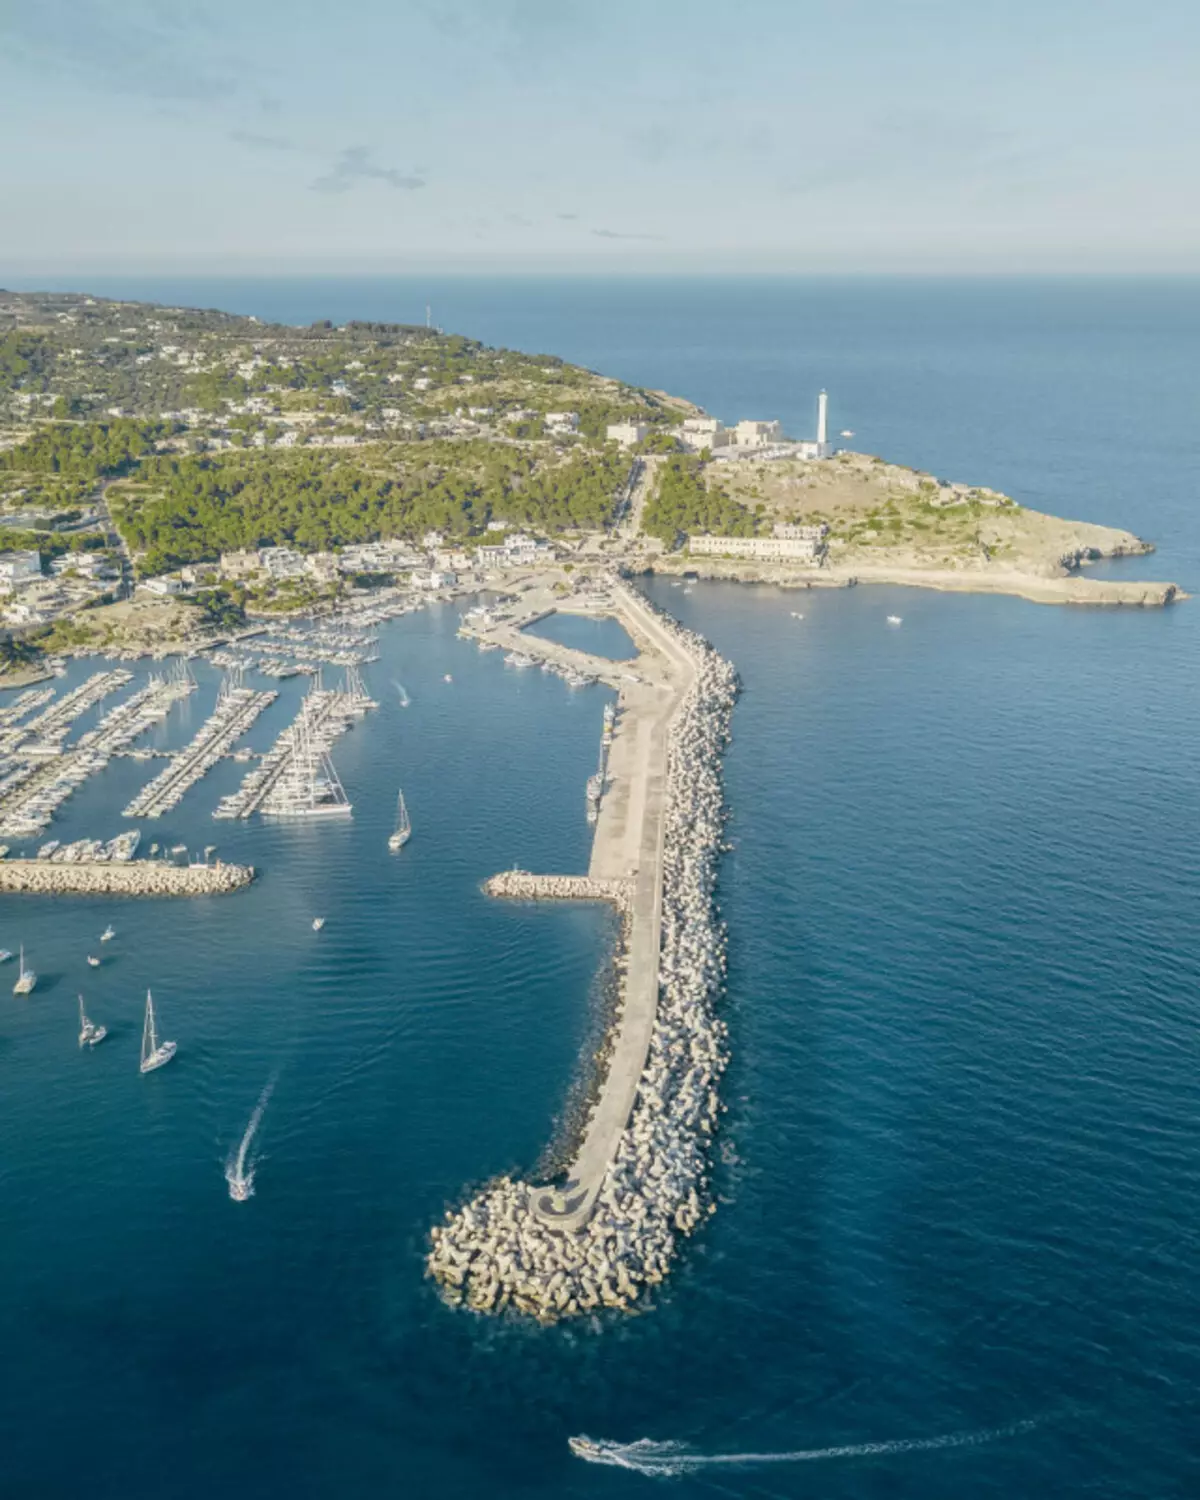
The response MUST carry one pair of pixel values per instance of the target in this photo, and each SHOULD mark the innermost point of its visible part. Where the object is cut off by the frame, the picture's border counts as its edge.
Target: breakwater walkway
(637, 1180)
(143, 877)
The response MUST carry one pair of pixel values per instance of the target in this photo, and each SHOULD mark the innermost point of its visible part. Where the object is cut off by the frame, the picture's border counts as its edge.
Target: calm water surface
(958, 1178)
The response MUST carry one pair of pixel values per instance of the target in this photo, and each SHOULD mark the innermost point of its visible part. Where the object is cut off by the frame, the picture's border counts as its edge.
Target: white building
(753, 434)
(161, 586)
(702, 432)
(18, 568)
(281, 562)
(626, 433)
(562, 421)
(433, 578)
(761, 548)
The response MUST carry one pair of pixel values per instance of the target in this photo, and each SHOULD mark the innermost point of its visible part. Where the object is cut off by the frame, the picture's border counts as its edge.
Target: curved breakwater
(502, 1249)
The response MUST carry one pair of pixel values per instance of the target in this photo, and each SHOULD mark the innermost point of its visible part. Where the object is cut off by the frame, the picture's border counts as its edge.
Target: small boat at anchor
(93, 961)
(894, 620)
(403, 827)
(318, 923)
(89, 1032)
(154, 1052)
(108, 934)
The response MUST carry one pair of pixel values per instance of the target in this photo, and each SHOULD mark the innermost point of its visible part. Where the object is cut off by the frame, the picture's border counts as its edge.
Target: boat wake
(667, 1460)
(405, 700)
(239, 1169)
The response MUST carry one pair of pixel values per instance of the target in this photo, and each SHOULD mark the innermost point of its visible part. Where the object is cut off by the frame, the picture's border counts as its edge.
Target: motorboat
(894, 620)
(108, 934)
(93, 961)
(5, 955)
(318, 923)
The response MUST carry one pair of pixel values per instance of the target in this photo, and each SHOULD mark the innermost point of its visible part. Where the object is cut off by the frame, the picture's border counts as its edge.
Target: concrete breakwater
(560, 1251)
(144, 877)
(521, 885)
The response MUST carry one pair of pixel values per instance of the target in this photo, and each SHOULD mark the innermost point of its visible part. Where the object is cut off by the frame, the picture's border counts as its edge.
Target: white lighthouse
(823, 426)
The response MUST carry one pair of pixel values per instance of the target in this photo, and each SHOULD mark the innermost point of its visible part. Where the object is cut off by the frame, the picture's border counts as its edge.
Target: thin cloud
(254, 141)
(617, 234)
(568, 218)
(141, 48)
(354, 167)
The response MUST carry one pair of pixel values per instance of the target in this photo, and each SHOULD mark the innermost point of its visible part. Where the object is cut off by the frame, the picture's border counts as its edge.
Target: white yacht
(318, 923)
(403, 827)
(154, 1052)
(895, 620)
(108, 934)
(89, 1032)
(26, 979)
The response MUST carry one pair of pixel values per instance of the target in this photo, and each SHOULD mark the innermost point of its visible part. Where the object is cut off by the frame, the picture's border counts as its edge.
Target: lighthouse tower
(823, 449)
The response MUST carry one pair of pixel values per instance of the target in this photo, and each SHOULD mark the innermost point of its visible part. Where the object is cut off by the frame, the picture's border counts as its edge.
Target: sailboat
(403, 827)
(26, 979)
(154, 1052)
(89, 1032)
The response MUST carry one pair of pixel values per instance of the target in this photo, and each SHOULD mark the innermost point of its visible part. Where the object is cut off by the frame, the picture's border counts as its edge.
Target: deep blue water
(961, 1158)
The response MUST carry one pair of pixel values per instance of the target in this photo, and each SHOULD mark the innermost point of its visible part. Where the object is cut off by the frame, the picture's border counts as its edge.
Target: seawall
(141, 877)
(638, 1182)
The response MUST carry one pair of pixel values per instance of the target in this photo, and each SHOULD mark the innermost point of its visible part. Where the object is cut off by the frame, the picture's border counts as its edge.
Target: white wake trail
(666, 1460)
(405, 700)
(241, 1182)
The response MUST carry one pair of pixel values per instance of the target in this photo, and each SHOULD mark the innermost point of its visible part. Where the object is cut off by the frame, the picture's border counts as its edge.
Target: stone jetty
(142, 877)
(520, 885)
(568, 1249)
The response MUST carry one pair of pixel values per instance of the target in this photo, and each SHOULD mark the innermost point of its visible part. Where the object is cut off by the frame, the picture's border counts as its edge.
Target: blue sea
(955, 1253)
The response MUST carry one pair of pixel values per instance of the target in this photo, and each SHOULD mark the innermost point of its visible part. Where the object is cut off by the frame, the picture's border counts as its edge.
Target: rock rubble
(143, 877)
(498, 1252)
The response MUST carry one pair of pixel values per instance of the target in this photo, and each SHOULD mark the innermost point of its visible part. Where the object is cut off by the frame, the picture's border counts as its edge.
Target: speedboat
(895, 619)
(108, 934)
(5, 955)
(240, 1188)
(318, 923)
(583, 1447)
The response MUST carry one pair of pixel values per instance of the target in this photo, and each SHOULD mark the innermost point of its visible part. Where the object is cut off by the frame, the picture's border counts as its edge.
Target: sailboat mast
(149, 1039)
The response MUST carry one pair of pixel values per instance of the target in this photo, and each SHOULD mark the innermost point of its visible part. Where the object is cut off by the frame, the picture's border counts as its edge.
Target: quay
(142, 877)
(638, 1178)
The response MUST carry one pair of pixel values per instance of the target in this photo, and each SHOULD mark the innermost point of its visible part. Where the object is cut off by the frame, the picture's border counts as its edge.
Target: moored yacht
(154, 1052)
(26, 979)
(93, 961)
(403, 827)
(89, 1032)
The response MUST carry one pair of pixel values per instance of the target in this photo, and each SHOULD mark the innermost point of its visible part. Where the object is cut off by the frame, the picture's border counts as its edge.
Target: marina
(237, 709)
(296, 777)
(41, 773)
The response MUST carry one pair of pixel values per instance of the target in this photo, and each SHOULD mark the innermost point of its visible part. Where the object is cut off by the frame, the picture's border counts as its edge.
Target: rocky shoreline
(502, 1250)
(521, 885)
(142, 877)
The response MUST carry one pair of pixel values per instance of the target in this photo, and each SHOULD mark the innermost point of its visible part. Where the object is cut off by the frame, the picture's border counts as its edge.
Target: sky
(766, 135)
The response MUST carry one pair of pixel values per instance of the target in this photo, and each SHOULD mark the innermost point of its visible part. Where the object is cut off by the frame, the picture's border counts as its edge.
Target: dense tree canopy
(684, 503)
(191, 509)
